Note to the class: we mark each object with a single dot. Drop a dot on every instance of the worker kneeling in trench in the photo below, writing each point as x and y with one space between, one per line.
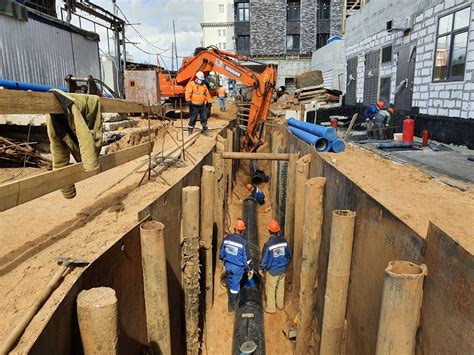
275 257
236 257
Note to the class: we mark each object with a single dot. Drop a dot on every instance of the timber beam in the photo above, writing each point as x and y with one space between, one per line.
30 102
256 156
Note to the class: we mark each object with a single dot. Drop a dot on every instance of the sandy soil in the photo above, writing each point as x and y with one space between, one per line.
36 233
218 334
410 194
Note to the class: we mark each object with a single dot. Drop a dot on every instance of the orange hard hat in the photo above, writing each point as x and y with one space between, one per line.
274 227
249 186
380 104
239 225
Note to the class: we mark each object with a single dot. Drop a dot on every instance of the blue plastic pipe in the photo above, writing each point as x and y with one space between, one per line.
18 85
329 133
337 146
319 143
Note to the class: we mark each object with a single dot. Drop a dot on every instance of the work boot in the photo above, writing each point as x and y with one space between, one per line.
190 130
205 131
231 306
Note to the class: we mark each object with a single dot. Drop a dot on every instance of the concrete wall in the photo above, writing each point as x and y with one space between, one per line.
331 60
447 315
447 99
289 68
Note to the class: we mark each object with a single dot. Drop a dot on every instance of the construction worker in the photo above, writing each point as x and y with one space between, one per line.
276 256
256 193
369 114
381 118
236 257
221 94
198 97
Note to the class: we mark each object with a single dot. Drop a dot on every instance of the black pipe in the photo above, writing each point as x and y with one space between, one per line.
248 325
258 176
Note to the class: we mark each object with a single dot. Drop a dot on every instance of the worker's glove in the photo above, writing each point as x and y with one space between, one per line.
250 274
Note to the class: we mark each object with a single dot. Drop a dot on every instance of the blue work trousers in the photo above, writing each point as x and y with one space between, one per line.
234 275
194 111
222 103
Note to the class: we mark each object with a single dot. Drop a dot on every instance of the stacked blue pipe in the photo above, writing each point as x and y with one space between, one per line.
323 139
18 85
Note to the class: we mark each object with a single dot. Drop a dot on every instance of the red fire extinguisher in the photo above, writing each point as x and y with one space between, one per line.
334 122
426 136
408 129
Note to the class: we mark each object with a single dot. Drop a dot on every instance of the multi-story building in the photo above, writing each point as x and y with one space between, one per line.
418 55
218 24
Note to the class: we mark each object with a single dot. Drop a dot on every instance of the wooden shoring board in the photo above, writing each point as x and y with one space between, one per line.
30 188
29 102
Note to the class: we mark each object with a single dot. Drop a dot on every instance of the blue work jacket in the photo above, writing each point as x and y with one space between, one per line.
258 195
235 250
276 255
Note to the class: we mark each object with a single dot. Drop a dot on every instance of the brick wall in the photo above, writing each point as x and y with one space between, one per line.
267 27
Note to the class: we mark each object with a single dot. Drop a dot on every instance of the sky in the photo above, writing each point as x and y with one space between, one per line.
156 25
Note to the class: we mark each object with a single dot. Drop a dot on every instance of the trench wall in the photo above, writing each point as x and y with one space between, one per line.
120 268
447 314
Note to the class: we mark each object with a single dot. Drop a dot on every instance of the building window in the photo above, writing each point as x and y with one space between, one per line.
223 32
219 32
387 54
451 46
321 40
293 10
243 12
243 43
292 42
221 8
224 45
219 45
324 9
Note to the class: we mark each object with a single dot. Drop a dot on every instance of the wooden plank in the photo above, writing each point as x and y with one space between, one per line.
256 156
30 188
29 102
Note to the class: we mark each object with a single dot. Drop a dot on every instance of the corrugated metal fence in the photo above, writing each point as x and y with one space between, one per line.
44 52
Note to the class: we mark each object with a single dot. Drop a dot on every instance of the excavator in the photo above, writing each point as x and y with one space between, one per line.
213 59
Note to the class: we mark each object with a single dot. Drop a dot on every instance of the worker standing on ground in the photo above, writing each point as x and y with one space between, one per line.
221 94
381 118
198 97
236 257
256 193
276 255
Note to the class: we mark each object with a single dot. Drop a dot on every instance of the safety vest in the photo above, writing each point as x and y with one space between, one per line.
197 94
221 92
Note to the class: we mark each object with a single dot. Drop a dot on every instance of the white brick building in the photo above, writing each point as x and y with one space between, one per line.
218 24
425 64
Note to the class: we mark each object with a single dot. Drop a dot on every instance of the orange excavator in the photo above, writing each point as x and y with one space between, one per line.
213 59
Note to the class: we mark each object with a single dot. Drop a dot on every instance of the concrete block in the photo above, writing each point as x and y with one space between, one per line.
439 7
434 94
443 112
428 13
456 94
437 103
444 94
449 103
424 96
426 79
466 105
422 103
469 87
422 33
416 96
464 114
431 28
423 88
419 18
449 3
425 72
454 113
432 111
466 96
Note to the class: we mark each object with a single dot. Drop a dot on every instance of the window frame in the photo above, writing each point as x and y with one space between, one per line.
237 48
244 9
219 7
451 34
293 50
320 11
391 55
293 2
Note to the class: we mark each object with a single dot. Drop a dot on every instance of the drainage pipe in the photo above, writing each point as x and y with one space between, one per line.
329 133
98 320
18 85
248 334
400 310
337 146
319 143
258 176
190 266
339 267
207 226
312 224
155 285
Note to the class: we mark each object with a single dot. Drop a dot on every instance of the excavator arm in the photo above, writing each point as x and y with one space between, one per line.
225 63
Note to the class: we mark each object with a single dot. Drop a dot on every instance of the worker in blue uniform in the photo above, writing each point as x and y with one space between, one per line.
256 193
236 257
276 256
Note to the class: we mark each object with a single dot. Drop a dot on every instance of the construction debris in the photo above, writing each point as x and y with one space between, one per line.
311 78
319 94
20 153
